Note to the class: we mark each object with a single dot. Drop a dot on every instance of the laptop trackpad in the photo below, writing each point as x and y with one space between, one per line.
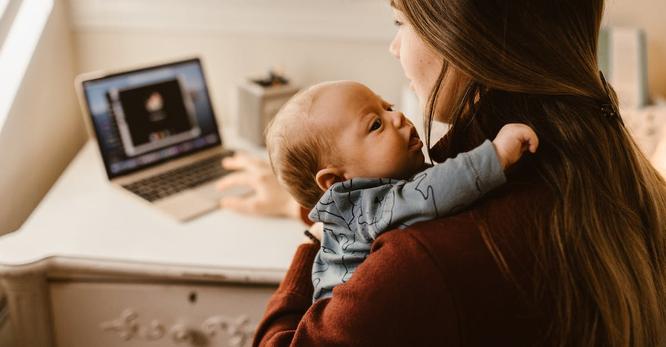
186 205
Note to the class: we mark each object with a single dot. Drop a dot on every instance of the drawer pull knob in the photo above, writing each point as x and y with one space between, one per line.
128 328
180 333
239 330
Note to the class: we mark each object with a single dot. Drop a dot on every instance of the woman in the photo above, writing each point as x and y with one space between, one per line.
571 252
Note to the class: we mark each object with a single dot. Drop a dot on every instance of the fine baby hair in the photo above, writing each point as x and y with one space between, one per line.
296 150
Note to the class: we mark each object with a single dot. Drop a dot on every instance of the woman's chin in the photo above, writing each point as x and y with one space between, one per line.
423 101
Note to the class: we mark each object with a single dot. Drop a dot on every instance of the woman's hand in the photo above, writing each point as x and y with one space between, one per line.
269 199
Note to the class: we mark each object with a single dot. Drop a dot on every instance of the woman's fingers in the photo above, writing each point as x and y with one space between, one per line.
269 198
236 162
243 161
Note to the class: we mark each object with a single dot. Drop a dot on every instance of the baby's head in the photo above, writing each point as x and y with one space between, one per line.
335 131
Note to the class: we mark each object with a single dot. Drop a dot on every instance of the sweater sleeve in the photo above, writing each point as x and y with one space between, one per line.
385 295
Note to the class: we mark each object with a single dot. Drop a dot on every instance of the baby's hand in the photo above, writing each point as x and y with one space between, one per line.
512 141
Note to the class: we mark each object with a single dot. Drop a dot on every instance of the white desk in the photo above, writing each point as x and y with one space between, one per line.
92 266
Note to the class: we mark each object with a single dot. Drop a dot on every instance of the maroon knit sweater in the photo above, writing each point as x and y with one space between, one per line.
433 284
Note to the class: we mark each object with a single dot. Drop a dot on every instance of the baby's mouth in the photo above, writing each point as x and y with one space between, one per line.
414 140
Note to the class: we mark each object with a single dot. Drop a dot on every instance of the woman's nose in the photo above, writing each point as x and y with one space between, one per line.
394 47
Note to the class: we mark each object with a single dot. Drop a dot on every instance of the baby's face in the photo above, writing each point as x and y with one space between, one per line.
371 138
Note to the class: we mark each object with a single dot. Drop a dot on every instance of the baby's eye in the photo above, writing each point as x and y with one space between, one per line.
397 23
376 124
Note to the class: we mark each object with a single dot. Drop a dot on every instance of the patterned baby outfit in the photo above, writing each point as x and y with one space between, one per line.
356 211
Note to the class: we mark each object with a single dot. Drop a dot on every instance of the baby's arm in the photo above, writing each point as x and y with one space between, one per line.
512 141
446 187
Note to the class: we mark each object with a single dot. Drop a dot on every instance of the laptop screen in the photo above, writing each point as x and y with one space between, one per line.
145 117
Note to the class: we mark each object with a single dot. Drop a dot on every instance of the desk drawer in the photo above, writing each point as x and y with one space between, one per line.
126 314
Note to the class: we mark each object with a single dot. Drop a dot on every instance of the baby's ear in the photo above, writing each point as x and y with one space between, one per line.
327 177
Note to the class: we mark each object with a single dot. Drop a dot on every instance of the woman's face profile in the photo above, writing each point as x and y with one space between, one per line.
420 63
422 66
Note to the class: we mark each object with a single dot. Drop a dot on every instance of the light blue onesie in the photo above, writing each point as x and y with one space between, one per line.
356 211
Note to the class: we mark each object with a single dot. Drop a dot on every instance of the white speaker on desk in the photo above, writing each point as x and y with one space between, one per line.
257 105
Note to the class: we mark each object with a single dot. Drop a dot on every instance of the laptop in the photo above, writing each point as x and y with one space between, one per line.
157 135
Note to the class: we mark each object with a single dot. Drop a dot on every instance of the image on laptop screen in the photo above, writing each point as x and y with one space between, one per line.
144 117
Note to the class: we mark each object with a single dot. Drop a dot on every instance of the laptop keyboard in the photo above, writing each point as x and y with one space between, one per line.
174 181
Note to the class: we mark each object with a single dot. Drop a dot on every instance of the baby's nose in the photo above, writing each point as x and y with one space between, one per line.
398 119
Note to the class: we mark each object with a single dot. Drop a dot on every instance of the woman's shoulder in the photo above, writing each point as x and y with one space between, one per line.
457 243
491 305
505 213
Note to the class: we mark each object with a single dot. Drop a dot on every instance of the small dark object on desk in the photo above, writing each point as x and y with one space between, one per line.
273 79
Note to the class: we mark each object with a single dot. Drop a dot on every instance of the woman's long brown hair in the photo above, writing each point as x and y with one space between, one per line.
601 250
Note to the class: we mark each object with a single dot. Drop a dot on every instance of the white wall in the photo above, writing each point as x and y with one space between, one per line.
43 129
229 59
324 43
650 15
312 40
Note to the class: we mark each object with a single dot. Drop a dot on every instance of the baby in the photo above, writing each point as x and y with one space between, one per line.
342 151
